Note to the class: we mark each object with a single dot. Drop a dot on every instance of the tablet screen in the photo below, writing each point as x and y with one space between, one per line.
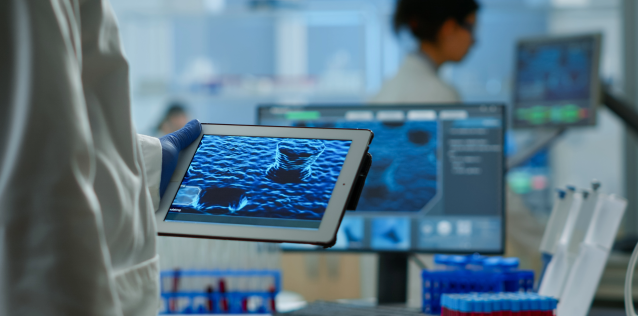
266 181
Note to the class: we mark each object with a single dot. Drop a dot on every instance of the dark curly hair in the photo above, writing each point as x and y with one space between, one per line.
424 18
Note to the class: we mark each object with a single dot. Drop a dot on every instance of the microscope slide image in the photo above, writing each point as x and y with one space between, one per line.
284 178
391 233
350 234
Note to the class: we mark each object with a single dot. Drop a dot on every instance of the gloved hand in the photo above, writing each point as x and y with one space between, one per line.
172 144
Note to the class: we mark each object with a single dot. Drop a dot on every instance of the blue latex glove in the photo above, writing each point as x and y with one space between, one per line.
172 144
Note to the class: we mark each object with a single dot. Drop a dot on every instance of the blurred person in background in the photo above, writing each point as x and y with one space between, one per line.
174 119
78 186
444 31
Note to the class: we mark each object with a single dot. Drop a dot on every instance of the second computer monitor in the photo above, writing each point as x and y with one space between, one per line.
556 82
436 181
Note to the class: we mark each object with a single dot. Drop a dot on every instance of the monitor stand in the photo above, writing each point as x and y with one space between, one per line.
392 278
542 140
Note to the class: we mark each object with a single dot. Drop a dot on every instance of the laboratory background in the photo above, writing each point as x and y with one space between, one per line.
237 61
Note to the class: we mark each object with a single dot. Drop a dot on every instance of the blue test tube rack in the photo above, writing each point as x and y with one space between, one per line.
461 280
235 300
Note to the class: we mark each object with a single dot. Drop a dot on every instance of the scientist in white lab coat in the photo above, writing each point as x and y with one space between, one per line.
78 186
444 31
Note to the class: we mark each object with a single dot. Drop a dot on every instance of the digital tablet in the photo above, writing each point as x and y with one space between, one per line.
264 183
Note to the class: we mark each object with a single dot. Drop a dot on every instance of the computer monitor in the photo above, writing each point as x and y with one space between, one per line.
436 184
556 81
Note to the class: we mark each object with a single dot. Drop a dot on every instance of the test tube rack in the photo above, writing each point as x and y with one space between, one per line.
222 300
503 304
437 283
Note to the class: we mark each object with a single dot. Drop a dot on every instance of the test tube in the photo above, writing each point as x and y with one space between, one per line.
535 305
210 303
492 264
223 301
175 288
466 307
516 306
475 262
441 262
273 306
487 307
445 305
445 311
453 302
509 264
525 305
478 306
497 305
457 263
548 305
506 304
454 306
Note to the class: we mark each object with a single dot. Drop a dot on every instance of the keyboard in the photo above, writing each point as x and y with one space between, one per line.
321 308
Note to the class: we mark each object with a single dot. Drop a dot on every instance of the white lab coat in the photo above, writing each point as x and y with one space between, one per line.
416 82
78 186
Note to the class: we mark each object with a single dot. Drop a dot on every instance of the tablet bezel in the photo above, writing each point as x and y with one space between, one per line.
326 233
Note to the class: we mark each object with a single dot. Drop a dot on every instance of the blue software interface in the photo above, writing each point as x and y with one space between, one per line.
556 82
283 182
436 180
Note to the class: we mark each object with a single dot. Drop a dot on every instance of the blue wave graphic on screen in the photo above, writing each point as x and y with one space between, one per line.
403 175
261 177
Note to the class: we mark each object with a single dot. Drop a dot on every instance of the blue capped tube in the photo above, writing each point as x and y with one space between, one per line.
508 264
457 262
516 305
466 305
492 264
441 262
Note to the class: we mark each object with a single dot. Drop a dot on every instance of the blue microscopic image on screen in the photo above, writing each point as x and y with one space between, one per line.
559 71
404 171
390 233
350 234
260 177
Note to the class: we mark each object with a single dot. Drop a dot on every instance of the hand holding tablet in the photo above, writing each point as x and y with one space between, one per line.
265 183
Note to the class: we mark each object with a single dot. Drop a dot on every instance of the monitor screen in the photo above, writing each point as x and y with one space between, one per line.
266 181
557 82
436 181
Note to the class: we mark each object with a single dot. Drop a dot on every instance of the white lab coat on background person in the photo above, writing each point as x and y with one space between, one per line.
78 186
417 82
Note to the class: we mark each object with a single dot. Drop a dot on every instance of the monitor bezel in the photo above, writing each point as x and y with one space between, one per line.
438 106
594 83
